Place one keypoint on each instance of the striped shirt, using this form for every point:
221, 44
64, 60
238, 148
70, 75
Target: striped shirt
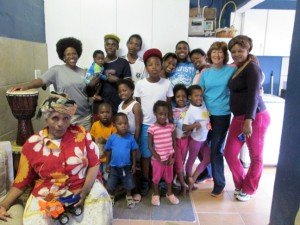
162, 138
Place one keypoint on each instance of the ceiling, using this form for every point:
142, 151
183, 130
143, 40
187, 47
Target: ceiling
266, 4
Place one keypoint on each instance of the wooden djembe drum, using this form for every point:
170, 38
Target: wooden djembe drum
23, 105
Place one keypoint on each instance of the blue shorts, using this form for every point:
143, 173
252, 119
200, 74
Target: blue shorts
122, 174
143, 143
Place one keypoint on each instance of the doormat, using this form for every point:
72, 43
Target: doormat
145, 211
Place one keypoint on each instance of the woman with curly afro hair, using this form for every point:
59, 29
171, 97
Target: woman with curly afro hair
67, 78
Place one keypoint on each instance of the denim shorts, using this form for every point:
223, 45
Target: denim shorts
122, 174
145, 152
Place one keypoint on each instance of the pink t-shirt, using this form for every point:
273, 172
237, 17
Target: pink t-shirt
162, 138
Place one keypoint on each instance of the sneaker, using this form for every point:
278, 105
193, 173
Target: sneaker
173, 199
236, 192
144, 188
243, 197
155, 200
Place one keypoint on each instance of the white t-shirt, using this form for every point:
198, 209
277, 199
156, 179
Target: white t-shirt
138, 71
130, 114
149, 93
197, 114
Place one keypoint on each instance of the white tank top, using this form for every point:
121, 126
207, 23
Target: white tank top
130, 114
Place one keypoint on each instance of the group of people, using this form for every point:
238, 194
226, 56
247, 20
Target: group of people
161, 108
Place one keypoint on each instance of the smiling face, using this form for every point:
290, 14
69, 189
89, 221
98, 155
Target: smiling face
58, 124
121, 124
239, 54
169, 64
161, 115
217, 57
198, 60
182, 51
70, 57
196, 97
125, 92
153, 67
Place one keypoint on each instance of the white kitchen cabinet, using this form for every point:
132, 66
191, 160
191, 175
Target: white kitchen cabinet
279, 32
270, 30
254, 26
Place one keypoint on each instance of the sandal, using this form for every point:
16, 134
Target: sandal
155, 200
173, 199
137, 198
130, 202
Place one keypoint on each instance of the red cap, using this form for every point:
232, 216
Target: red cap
152, 52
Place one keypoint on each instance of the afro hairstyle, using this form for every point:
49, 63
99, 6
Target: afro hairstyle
65, 43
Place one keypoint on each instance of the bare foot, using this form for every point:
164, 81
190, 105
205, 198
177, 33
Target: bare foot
191, 183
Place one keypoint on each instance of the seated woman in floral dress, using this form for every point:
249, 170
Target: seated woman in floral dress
60, 160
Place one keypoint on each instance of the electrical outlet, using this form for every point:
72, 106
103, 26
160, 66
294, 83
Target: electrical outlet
37, 73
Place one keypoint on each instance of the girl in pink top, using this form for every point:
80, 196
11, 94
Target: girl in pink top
181, 137
161, 142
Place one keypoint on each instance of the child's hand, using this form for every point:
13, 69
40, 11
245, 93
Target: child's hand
97, 98
186, 133
133, 169
171, 161
108, 168
196, 125
208, 126
157, 157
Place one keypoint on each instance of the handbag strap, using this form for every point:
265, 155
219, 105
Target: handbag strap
240, 69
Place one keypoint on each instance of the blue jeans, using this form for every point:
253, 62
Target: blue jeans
216, 138
122, 174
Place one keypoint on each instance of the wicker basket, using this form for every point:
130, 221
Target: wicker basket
226, 32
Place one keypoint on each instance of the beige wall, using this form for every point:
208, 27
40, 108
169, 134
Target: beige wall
18, 60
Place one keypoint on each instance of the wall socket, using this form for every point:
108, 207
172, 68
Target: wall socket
37, 73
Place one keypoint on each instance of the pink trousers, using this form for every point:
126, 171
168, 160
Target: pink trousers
247, 182
160, 170
180, 154
196, 148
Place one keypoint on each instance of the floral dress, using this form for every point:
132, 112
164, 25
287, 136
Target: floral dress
58, 167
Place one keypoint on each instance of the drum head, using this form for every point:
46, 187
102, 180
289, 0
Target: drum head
29, 92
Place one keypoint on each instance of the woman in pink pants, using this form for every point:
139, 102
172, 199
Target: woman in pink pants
251, 119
